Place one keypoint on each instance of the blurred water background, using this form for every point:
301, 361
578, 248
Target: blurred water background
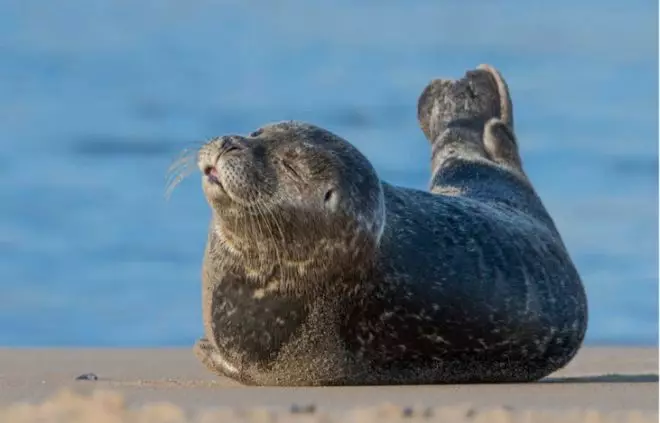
98, 97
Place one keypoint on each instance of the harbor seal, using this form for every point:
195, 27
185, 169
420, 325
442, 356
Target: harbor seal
317, 272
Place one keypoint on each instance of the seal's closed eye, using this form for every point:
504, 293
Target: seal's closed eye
292, 171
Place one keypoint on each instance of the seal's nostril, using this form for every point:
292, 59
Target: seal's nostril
208, 170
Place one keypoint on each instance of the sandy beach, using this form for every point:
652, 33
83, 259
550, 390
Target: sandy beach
169, 385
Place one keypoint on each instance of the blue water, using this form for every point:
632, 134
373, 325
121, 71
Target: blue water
98, 97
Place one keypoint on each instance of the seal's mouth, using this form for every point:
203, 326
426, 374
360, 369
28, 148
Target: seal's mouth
212, 175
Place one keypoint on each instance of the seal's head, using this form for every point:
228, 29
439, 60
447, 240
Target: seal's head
293, 193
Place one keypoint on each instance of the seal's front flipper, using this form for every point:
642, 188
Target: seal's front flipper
215, 361
203, 350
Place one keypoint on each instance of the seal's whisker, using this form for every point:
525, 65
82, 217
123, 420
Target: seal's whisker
283, 268
186, 157
267, 223
176, 181
184, 161
181, 172
261, 216
182, 167
257, 219
254, 236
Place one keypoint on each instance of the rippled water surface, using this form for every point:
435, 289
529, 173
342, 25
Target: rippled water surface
97, 98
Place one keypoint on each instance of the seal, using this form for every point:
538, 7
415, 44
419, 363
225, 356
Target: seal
317, 272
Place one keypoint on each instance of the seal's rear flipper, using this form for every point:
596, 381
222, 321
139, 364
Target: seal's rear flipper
506, 105
499, 135
455, 114
431, 117
501, 145
467, 103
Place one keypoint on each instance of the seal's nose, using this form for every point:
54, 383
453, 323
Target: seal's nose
211, 157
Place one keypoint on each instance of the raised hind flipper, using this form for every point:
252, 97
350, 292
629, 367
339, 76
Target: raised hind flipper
469, 122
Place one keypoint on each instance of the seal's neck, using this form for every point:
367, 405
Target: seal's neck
268, 266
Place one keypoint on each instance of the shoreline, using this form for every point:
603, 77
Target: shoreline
607, 382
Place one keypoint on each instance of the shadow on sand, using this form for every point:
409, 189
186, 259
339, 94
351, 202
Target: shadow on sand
610, 378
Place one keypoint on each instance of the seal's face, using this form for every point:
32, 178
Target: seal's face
294, 189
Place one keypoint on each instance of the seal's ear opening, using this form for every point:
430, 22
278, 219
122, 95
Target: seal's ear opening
331, 199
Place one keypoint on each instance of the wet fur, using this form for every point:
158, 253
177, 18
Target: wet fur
469, 282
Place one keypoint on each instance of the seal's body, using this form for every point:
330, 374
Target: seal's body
318, 273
